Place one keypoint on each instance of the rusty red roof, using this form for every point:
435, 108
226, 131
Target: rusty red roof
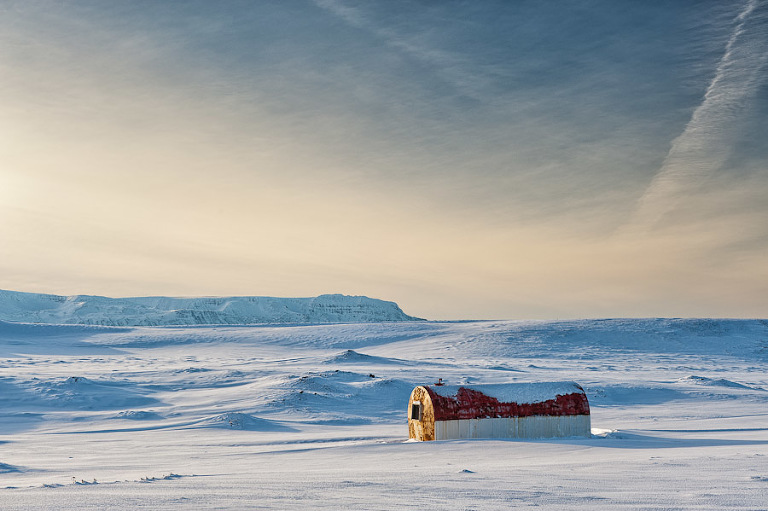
509, 400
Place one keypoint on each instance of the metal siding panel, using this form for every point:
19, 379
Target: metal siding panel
440, 430
463, 428
514, 427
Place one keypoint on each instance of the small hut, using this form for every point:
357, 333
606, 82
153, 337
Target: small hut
513, 410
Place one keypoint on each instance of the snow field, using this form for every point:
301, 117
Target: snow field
314, 417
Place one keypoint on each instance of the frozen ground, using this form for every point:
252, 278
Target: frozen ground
313, 417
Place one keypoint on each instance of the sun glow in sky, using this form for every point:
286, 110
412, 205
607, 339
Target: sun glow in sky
467, 160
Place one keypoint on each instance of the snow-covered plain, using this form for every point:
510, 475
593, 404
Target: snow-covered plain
314, 416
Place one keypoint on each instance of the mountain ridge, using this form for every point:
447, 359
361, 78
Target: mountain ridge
17, 306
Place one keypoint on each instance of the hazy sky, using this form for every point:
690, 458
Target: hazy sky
466, 159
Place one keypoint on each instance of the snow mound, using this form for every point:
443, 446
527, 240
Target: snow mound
353, 357
345, 397
80, 393
242, 421
138, 415
192, 370
160, 311
718, 382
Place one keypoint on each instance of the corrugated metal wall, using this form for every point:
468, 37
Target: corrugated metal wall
515, 427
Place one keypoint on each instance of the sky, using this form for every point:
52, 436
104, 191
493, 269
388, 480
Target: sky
468, 160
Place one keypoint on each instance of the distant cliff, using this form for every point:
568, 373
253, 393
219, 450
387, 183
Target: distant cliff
159, 310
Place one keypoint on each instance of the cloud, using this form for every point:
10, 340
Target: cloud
450, 66
705, 144
466, 159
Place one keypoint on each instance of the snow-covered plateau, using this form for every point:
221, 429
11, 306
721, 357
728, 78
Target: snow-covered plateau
314, 416
161, 310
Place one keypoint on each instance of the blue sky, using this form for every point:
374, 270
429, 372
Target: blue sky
466, 159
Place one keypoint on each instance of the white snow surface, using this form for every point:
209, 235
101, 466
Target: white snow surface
161, 310
521, 393
314, 416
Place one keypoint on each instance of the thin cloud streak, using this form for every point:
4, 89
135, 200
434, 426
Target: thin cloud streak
447, 65
704, 146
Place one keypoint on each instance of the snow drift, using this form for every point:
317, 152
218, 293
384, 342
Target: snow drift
316, 416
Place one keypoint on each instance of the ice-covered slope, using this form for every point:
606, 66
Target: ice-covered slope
158, 310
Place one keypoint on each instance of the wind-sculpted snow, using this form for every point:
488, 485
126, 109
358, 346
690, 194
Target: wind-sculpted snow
143, 415
352, 357
241, 421
159, 311
717, 382
314, 416
350, 397
37, 331
75, 392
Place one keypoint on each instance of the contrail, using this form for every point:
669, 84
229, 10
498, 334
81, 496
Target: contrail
700, 151
449, 66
